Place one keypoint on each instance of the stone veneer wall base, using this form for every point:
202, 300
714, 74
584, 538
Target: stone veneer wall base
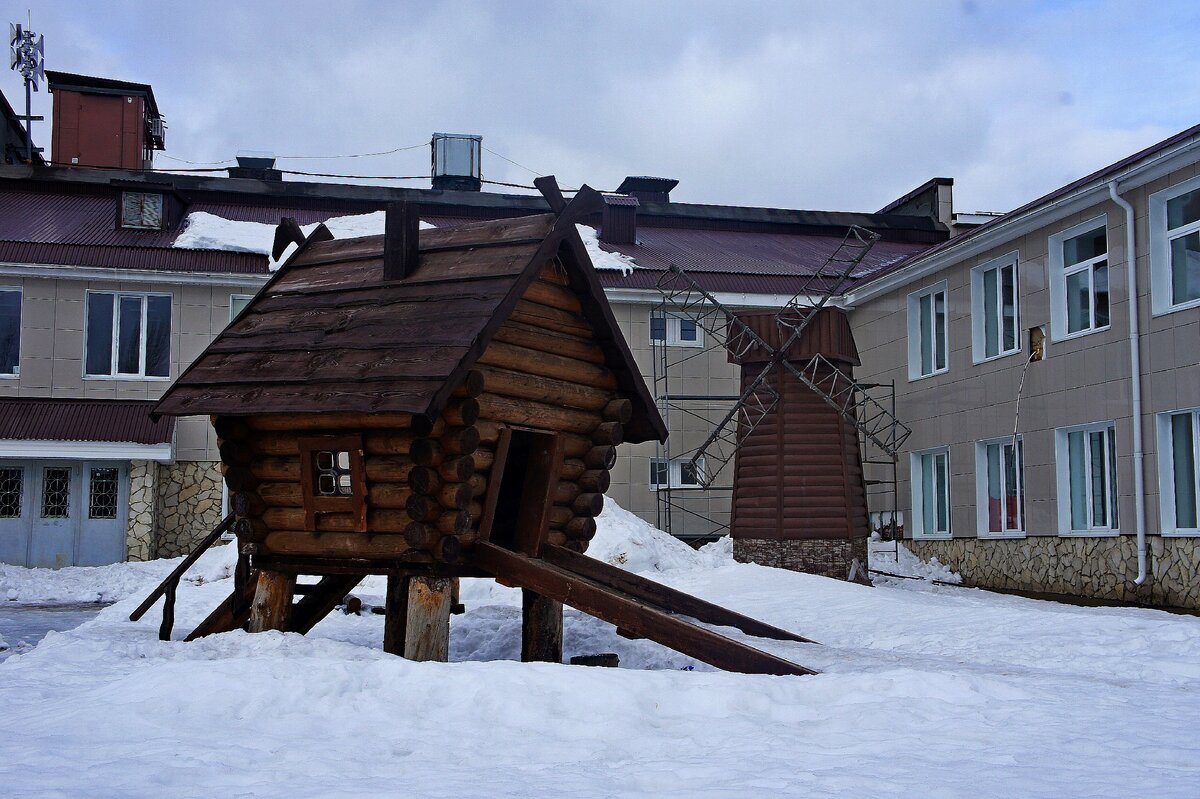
824, 556
189, 505
143, 507
1099, 568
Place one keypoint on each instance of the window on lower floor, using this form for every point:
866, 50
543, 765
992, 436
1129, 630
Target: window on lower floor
1179, 479
128, 335
56, 492
1087, 478
103, 487
927, 342
1000, 481
930, 472
994, 319
238, 303
1079, 279
675, 330
12, 489
1175, 247
677, 473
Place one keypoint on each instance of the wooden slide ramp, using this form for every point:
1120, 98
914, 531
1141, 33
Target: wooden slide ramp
639, 606
316, 602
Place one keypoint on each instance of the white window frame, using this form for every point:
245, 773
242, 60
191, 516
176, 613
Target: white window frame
675, 474
915, 342
673, 325
116, 332
1160, 248
1059, 273
917, 484
1062, 470
1166, 471
232, 297
982, 498
979, 321
16, 375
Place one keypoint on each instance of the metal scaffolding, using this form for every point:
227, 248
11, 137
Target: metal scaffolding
730, 419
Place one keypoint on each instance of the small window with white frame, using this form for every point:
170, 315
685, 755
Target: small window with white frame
1175, 247
928, 351
1000, 488
237, 304
10, 332
675, 330
930, 479
677, 473
995, 322
1086, 465
1179, 478
127, 335
1079, 280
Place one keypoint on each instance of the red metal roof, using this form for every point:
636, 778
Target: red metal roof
125, 421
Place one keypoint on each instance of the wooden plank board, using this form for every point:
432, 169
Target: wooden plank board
628, 613
406, 395
232, 614
302, 366
320, 600
663, 597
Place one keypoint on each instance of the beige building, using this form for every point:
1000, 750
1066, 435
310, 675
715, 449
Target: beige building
1055, 423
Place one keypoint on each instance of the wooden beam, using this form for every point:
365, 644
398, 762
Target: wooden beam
628, 613
272, 601
427, 626
395, 614
401, 240
541, 628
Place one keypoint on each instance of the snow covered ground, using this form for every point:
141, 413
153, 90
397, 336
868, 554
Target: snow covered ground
925, 691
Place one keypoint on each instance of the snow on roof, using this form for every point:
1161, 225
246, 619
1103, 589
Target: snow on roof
205, 231
602, 259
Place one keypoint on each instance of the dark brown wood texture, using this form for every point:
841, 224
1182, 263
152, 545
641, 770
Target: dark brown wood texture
330, 333
828, 333
798, 474
354, 504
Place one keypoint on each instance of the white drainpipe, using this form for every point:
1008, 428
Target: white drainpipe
1135, 361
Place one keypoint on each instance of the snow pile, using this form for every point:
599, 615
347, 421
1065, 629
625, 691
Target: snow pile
603, 259
896, 559
205, 231
624, 540
944, 693
86, 584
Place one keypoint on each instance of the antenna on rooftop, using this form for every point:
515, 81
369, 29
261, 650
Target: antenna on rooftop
27, 57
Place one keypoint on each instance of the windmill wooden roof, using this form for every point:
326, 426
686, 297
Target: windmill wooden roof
329, 334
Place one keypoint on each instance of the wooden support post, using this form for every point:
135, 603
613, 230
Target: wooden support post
272, 601
417, 618
541, 628
395, 614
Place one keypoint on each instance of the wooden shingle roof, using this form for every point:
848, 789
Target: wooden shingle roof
329, 334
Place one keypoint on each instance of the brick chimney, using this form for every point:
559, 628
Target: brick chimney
618, 225
101, 122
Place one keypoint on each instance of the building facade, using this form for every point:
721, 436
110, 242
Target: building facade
1053, 392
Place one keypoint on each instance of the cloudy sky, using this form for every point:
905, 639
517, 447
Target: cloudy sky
835, 105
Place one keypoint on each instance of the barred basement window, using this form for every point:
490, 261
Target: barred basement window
102, 494
56, 492
12, 486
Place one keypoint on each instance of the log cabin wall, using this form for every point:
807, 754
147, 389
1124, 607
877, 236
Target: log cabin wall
799, 500
544, 370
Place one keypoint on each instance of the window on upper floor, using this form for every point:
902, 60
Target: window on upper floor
1086, 461
1079, 301
930, 479
238, 303
1175, 247
995, 326
127, 335
143, 210
10, 332
675, 331
1179, 479
1000, 488
927, 343
676, 473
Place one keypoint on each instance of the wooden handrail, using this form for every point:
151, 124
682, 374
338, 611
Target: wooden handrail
168, 586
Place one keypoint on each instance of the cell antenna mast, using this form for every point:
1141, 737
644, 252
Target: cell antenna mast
28, 52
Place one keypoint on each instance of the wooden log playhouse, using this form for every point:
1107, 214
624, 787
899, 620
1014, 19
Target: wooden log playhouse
430, 405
